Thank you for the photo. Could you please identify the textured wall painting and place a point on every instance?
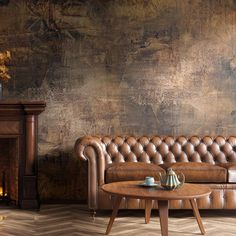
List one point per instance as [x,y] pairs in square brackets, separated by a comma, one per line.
[119,67]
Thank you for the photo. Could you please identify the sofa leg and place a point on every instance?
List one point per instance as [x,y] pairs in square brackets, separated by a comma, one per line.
[93,214]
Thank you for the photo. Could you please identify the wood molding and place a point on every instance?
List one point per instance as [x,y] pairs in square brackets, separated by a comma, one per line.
[19,120]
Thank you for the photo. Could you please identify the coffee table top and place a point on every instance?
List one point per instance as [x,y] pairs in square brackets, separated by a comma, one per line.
[133,189]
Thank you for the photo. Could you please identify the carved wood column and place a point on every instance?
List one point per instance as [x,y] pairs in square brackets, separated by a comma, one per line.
[30,145]
[30,191]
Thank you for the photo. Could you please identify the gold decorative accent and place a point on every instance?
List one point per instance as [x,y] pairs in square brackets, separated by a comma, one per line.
[4,58]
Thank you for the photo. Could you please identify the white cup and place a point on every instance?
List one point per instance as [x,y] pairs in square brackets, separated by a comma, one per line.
[149,180]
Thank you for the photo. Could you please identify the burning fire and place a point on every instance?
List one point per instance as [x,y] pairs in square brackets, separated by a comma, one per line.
[1,192]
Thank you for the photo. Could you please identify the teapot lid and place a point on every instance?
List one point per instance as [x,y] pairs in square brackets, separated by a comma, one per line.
[170,171]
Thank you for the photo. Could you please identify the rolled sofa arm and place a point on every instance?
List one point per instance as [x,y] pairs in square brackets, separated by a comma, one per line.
[90,148]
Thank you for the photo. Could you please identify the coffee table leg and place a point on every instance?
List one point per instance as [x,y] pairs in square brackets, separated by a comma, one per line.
[114,213]
[148,210]
[197,215]
[163,212]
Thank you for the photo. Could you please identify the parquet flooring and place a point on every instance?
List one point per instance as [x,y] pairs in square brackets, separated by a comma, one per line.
[70,220]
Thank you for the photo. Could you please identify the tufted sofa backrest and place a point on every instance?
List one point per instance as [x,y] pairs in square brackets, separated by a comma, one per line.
[160,150]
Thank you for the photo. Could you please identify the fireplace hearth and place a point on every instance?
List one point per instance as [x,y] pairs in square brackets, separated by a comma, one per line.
[18,153]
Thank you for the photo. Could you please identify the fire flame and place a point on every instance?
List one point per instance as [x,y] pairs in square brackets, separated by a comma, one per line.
[1,192]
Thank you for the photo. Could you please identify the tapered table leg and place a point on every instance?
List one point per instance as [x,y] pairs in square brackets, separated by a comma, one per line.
[148,210]
[163,212]
[197,215]
[114,213]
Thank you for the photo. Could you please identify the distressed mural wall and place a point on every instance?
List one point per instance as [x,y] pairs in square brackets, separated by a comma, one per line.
[119,67]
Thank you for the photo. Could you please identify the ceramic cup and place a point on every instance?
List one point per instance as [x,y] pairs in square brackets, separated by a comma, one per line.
[149,180]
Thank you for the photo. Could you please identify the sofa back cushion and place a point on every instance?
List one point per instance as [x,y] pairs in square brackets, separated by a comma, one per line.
[160,150]
[132,171]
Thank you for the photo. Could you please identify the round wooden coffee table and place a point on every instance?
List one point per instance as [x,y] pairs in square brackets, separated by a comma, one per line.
[132,189]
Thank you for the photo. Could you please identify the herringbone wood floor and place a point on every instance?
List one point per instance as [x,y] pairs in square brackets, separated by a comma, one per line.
[57,220]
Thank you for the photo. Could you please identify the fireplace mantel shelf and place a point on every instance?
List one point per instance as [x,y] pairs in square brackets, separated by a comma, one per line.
[19,107]
[19,119]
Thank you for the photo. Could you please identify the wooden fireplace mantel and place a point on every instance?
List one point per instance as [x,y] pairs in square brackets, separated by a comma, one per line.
[21,107]
[19,120]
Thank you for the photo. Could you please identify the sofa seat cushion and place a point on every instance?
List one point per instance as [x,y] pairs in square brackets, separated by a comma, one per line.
[198,172]
[231,169]
[132,171]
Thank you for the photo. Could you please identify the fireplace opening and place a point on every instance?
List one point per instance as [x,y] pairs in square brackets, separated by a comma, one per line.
[4,193]
[9,171]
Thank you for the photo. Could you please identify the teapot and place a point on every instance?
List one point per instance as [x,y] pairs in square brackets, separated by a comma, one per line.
[170,181]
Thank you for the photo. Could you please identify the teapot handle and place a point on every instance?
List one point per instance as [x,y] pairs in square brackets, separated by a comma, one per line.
[182,179]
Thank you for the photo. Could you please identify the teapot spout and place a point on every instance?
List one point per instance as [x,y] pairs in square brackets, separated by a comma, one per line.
[160,177]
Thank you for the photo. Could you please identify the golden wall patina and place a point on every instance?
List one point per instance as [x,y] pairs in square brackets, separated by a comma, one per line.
[119,67]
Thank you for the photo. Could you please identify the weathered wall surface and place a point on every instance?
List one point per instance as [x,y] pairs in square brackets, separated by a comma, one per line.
[119,67]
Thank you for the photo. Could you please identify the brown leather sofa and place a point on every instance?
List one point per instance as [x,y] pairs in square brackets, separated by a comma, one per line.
[207,160]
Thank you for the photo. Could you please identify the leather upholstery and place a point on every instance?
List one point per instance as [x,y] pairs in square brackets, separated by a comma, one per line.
[159,150]
[101,152]
[132,171]
[198,172]
[231,169]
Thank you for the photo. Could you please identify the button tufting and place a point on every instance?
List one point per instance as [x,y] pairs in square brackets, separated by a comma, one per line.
[192,149]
